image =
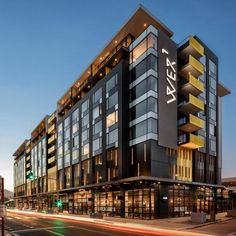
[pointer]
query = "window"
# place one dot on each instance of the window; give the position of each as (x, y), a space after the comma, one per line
(149, 42)
(212, 83)
(75, 115)
(85, 135)
(85, 106)
(152, 104)
(75, 156)
(75, 128)
(85, 149)
(97, 128)
(138, 130)
(148, 63)
(213, 145)
(138, 110)
(112, 100)
(212, 130)
(97, 95)
(97, 144)
(213, 114)
(212, 67)
(97, 111)
(112, 119)
(212, 99)
(85, 120)
(112, 137)
(152, 126)
(152, 83)
(75, 142)
(111, 83)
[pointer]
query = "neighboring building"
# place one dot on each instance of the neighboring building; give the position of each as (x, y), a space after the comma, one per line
(229, 183)
(137, 135)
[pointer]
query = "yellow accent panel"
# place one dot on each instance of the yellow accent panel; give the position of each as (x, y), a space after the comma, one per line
(52, 138)
(196, 64)
(52, 128)
(184, 164)
(196, 121)
(52, 170)
(196, 83)
(196, 45)
(27, 158)
(51, 149)
(28, 150)
(51, 118)
(51, 159)
(28, 143)
(196, 102)
(194, 142)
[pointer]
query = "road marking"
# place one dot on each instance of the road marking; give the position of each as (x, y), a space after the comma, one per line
(50, 231)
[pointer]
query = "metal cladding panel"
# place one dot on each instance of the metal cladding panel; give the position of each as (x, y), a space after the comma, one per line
(167, 73)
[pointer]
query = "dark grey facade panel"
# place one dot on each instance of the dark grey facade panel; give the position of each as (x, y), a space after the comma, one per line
(167, 93)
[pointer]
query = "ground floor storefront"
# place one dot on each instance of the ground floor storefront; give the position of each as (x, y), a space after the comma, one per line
(137, 199)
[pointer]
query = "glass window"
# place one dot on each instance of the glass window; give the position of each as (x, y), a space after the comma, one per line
(85, 106)
(112, 100)
(213, 145)
(152, 41)
(75, 128)
(152, 125)
(213, 83)
(138, 110)
(212, 67)
(152, 83)
(148, 63)
(97, 144)
(85, 135)
(112, 137)
(97, 95)
(75, 142)
(66, 122)
(111, 83)
(139, 50)
(212, 129)
(85, 120)
(97, 128)
(75, 115)
(75, 156)
(85, 150)
(59, 128)
(97, 111)
(138, 130)
(112, 118)
(212, 114)
(138, 90)
(152, 104)
(212, 99)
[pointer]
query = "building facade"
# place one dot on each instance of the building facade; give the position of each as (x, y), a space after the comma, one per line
(137, 135)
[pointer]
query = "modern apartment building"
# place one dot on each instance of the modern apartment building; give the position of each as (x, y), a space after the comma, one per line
(137, 135)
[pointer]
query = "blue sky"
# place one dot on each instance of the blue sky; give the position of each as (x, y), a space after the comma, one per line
(46, 44)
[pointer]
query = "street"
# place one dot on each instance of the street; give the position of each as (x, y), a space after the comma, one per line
(38, 225)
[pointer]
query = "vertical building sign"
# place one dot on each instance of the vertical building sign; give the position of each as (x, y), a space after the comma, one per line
(167, 94)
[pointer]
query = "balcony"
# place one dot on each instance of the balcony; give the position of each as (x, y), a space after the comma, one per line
(51, 129)
(52, 170)
(193, 66)
(190, 124)
(193, 86)
(51, 118)
(191, 141)
(52, 138)
(192, 105)
(51, 159)
(193, 47)
(51, 149)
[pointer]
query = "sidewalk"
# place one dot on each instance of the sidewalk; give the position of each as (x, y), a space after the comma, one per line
(167, 224)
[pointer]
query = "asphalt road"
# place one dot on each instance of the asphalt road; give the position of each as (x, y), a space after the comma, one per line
(26, 225)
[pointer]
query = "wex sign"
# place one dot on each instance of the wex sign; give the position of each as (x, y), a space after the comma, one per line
(167, 91)
(170, 78)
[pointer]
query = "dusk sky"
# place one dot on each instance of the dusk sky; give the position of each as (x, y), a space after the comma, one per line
(46, 44)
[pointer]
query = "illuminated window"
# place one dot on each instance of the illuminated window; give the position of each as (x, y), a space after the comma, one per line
(112, 118)
(86, 149)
